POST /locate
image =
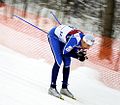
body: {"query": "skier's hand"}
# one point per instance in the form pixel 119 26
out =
pixel 82 58
pixel 82 55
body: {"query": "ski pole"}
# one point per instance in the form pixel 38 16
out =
pixel 30 24
pixel 55 18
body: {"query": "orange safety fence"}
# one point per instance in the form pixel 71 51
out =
pixel 33 43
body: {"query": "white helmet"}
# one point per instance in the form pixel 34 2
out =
pixel 89 39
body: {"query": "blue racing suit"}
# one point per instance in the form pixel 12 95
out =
pixel 64 45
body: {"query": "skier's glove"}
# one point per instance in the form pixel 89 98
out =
pixel 82 55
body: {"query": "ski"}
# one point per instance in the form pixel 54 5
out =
pixel 61 98
pixel 73 98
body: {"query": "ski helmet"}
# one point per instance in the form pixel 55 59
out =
pixel 89 39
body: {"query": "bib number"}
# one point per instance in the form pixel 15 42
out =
pixel 61 32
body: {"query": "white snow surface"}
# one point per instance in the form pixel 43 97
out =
pixel 25 81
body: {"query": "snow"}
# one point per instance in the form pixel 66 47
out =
pixel 25 81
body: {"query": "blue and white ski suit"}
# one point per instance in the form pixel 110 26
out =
pixel 62 42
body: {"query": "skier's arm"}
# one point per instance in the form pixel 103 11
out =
pixel 72 54
pixel 72 42
pixel 80 54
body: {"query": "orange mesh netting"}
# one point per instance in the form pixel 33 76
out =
pixel 33 43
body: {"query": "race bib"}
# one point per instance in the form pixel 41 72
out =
pixel 61 32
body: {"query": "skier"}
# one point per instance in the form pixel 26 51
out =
pixel 66 42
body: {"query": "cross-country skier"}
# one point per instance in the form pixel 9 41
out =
pixel 66 42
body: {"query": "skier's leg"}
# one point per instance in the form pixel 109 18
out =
pixel 66 71
pixel 55 47
pixel 55 71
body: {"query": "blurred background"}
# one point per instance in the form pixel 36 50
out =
pixel 99 17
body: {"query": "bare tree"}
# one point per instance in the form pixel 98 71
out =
pixel 108 18
pixel 12 7
pixel 25 8
pixel 107 41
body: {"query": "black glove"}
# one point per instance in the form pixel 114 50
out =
pixel 82 55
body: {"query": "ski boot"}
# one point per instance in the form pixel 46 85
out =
pixel 54 92
pixel 67 93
